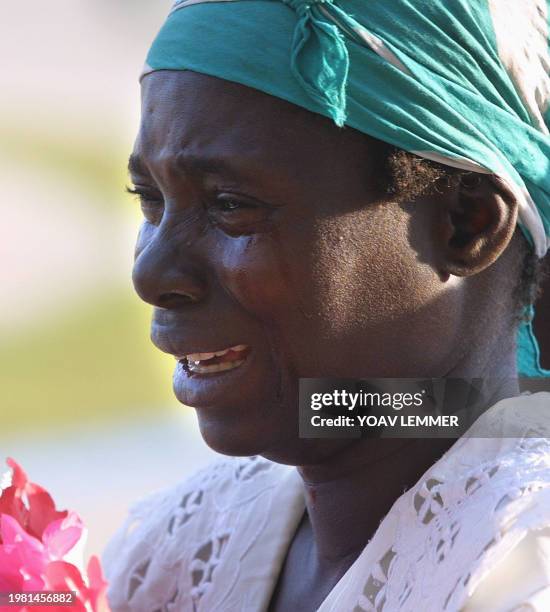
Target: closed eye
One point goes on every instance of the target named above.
(151, 201)
(145, 193)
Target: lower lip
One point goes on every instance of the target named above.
(200, 390)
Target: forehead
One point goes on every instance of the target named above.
(207, 116)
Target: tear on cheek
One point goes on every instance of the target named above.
(254, 273)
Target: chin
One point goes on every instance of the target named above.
(265, 425)
(234, 437)
(241, 432)
(230, 437)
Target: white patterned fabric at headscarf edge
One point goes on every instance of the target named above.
(521, 29)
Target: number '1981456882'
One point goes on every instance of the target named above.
(38, 598)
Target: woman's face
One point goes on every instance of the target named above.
(263, 229)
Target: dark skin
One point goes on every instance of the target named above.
(264, 227)
(542, 323)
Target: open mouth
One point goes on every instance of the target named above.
(216, 361)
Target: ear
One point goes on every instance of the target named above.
(479, 222)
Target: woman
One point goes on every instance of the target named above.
(280, 245)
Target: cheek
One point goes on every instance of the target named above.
(388, 312)
(343, 296)
(369, 306)
(356, 271)
(254, 273)
(270, 278)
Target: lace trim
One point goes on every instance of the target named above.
(205, 545)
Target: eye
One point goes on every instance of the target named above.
(238, 215)
(151, 200)
(230, 205)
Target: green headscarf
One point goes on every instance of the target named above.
(461, 82)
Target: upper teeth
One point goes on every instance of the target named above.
(198, 357)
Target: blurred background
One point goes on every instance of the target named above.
(86, 405)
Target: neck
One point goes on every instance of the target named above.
(495, 366)
(349, 493)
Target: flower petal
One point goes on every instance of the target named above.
(98, 586)
(63, 576)
(22, 557)
(11, 579)
(42, 509)
(15, 535)
(12, 505)
(19, 478)
(61, 535)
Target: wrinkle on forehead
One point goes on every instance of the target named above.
(205, 102)
(194, 116)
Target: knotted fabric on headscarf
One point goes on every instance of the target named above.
(462, 82)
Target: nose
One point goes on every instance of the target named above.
(165, 276)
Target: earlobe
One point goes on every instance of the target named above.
(480, 221)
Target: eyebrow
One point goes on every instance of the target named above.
(186, 163)
(203, 165)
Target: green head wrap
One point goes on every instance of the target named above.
(461, 82)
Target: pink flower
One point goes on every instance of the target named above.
(22, 558)
(41, 509)
(35, 541)
(62, 576)
(62, 535)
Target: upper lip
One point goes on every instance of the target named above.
(174, 341)
(205, 355)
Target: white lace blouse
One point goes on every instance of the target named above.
(472, 535)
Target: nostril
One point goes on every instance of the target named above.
(175, 299)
